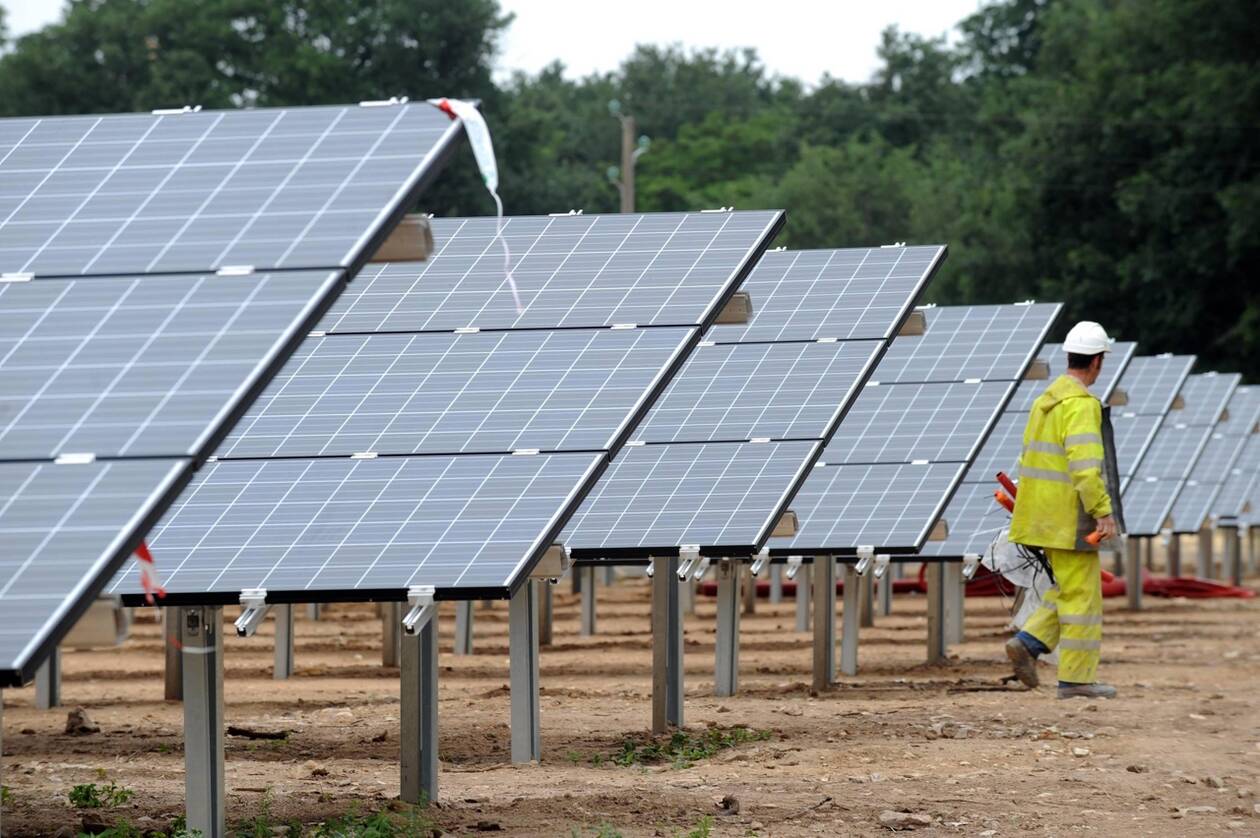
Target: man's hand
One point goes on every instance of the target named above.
(1107, 526)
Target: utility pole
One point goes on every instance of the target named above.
(632, 148)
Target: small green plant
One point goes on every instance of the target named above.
(684, 749)
(703, 828)
(260, 826)
(573, 757)
(604, 830)
(123, 829)
(92, 796)
(6, 796)
(179, 829)
(164, 747)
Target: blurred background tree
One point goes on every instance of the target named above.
(1100, 152)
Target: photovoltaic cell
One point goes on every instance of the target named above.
(1152, 382)
(889, 507)
(1173, 452)
(152, 193)
(1148, 504)
(1237, 489)
(995, 342)
(898, 423)
(737, 392)
(136, 366)
(443, 393)
(570, 271)
(354, 527)
(665, 496)
(1193, 505)
(1134, 435)
(846, 294)
(65, 529)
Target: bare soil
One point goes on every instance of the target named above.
(1178, 753)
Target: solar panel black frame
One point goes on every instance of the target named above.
(445, 130)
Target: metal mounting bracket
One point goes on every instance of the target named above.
(688, 558)
(881, 565)
(866, 557)
(421, 608)
(702, 568)
(760, 561)
(971, 563)
(254, 608)
(794, 564)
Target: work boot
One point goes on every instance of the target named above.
(1025, 663)
(1086, 691)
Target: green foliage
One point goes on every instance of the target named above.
(604, 830)
(380, 825)
(703, 828)
(92, 796)
(6, 793)
(1098, 152)
(683, 749)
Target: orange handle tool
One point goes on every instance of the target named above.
(1008, 484)
(1005, 500)
(1093, 538)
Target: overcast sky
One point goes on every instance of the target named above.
(801, 38)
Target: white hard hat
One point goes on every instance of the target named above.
(1087, 338)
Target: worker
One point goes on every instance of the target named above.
(1063, 499)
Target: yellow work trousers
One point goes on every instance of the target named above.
(1071, 615)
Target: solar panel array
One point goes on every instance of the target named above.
(1224, 443)
(973, 516)
(443, 438)
(717, 460)
(1235, 500)
(1173, 451)
(901, 452)
(143, 308)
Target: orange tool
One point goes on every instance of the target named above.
(1005, 500)
(1007, 483)
(1093, 538)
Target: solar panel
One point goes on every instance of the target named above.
(1152, 382)
(1114, 365)
(743, 391)
(65, 528)
(655, 498)
(1236, 491)
(1134, 435)
(423, 404)
(1193, 505)
(1174, 450)
(136, 366)
(1206, 396)
(196, 191)
(891, 508)
(995, 342)
(898, 423)
(443, 393)
(846, 294)
(569, 270)
(357, 529)
(1148, 504)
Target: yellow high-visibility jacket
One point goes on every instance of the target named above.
(1061, 487)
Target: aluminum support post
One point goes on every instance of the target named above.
(588, 599)
(283, 667)
(172, 617)
(851, 612)
(667, 646)
(749, 589)
(1206, 562)
(523, 664)
(391, 631)
(803, 575)
(1132, 550)
(726, 664)
(1231, 560)
(418, 719)
(48, 681)
(824, 574)
(314, 610)
(464, 627)
(866, 599)
(545, 609)
(201, 641)
(1173, 554)
(776, 584)
(937, 646)
(956, 598)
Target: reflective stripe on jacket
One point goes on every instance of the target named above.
(1061, 487)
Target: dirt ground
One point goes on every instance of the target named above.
(1178, 753)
